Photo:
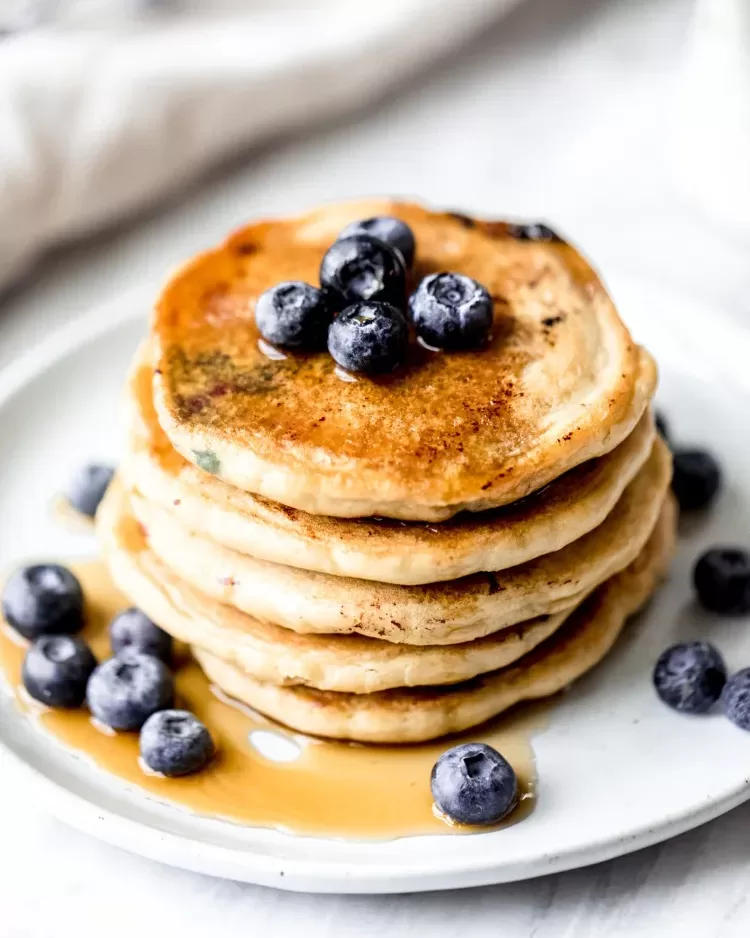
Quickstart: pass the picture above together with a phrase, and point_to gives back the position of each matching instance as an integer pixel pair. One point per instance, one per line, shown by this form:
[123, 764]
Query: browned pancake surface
[447, 428]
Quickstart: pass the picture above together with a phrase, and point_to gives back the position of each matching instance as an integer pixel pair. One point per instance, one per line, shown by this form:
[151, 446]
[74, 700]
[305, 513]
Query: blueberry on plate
[451, 311]
[293, 315]
[474, 784]
[533, 231]
[394, 232]
[362, 268]
[722, 580]
[689, 677]
[175, 742]
[56, 669]
[662, 426]
[372, 338]
[88, 486]
[124, 691]
[44, 599]
[735, 699]
[132, 630]
[696, 479]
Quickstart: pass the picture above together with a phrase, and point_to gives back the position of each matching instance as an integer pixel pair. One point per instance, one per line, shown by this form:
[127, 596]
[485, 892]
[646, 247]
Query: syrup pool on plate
[263, 774]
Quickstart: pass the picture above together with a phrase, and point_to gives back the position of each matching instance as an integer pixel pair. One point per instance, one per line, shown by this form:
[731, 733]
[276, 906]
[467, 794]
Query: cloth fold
[100, 122]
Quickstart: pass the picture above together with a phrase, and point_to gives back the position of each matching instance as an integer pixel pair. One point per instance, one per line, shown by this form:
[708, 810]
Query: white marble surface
[564, 110]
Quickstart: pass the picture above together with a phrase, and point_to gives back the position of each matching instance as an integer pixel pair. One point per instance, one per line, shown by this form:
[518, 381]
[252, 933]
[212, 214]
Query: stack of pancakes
[391, 559]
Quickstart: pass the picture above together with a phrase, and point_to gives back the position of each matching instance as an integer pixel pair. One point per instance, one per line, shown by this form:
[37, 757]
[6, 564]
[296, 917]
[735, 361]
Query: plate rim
[336, 876]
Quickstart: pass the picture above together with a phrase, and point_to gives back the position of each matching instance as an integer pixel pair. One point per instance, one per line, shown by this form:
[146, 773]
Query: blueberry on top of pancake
[560, 380]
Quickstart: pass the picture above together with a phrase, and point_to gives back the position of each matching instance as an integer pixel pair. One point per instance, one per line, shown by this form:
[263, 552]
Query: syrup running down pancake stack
[397, 558]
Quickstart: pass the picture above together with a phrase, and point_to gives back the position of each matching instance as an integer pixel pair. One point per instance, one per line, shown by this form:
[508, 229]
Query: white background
[565, 110]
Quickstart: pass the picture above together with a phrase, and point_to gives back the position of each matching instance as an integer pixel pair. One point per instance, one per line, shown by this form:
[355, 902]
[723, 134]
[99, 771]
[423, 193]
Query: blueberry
[474, 784]
[372, 338]
[294, 315]
[174, 743]
[735, 699]
[124, 691]
[696, 479]
[534, 231]
[451, 311]
[722, 580]
[56, 670]
[394, 232]
[362, 268]
[689, 676]
[133, 630]
[87, 488]
[45, 599]
[662, 426]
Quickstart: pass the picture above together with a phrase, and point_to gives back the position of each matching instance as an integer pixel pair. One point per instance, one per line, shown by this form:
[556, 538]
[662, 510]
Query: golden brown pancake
[413, 715]
[350, 663]
[431, 614]
[387, 551]
[560, 382]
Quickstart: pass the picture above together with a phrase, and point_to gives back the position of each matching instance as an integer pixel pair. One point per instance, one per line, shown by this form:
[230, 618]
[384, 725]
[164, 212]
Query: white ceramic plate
[617, 770]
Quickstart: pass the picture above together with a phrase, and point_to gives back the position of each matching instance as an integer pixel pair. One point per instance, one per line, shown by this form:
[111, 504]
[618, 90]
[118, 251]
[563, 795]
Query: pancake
[411, 716]
[273, 654]
[433, 614]
[381, 550]
[560, 382]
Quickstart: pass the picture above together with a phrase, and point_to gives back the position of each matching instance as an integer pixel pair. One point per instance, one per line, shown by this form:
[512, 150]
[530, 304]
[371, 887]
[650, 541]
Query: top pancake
[383, 550]
[560, 381]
